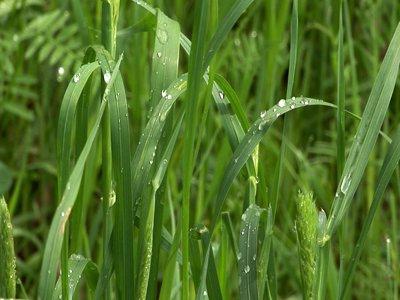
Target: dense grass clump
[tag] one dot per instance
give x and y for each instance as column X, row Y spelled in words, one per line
column 184, row 131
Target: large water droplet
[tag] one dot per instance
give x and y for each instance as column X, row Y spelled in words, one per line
column 76, row 78
column 282, row 103
column 107, row 77
column 345, row 184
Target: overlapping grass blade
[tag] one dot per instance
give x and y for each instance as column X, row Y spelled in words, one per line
column 237, row 9
column 367, row 134
column 191, row 122
column 144, row 269
column 209, row 282
column 388, row 167
column 250, row 141
column 52, row 250
column 247, row 256
column 79, row 267
column 164, row 72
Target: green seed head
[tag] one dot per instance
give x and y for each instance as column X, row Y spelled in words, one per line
column 306, row 227
column 7, row 257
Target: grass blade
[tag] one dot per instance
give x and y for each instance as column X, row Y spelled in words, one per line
column 367, row 133
column 247, row 256
column 56, row 234
column 388, row 167
column 191, row 110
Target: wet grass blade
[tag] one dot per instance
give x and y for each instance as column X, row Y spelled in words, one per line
column 388, row 167
column 250, row 141
column 367, row 134
column 145, row 264
column 191, row 123
column 79, row 267
column 53, row 245
column 247, row 256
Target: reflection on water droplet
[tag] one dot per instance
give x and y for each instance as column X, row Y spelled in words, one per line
column 76, row 78
column 162, row 35
column 107, row 77
column 247, row 269
column 282, row 103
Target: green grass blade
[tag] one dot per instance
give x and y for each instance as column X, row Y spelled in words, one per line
column 52, row 249
column 145, row 264
column 237, row 9
column 7, row 256
column 79, row 267
column 247, row 256
column 388, row 167
column 250, row 141
column 209, row 282
column 191, row 120
column 340, row 117
column 164, row 72
column 367, row 133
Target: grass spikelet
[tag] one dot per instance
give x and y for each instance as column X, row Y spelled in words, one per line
column 7, row 256
column 306, row 228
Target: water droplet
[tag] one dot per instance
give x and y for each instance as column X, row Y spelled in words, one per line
column 162, row 36
column 107, row 77
column 221, row 95
column 254, row 257
column 282, row 103
column 306, row 102
column 263, row 114
column 239, row 256
column 159, row 54
column 164, row 93
column 76, row 78
column 236, row 160
column 278, row 114
column 292, row 106
column 345, row 183
column 247, row 269
column 169, row 97
column 61, row 71
column 253, row 34
column 244, row 217
column 293, row 98
column 62, row 214
column 205, row 293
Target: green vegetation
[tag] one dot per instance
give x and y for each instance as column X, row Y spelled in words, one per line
column 156, row 150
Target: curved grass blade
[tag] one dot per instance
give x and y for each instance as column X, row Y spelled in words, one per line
column 144, row 269
column 121, row 159
column 247, row 256
column 250, row 141
column 388, row 167
column 237, row 9
column 52, row 249
column 78, row 266
column 67, row 119
column 367, row 134
column 7, row 256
